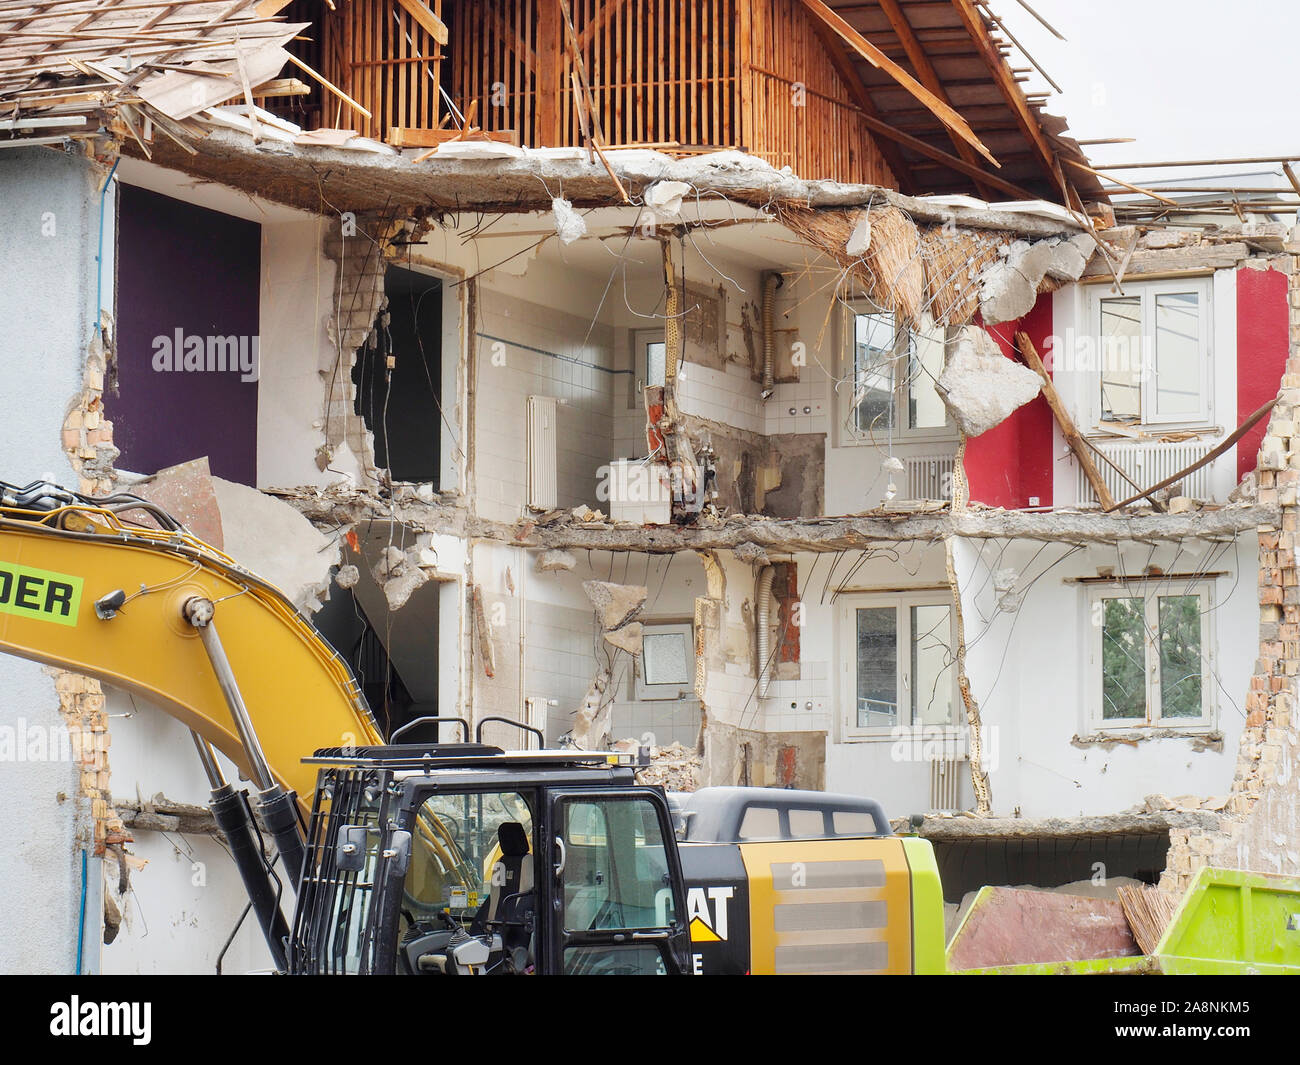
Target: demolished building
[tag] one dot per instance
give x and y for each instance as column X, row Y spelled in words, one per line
column 734, row 404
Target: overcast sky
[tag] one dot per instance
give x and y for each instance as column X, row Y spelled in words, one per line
column 1190, row 79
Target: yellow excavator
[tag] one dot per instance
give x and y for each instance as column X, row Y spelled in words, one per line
column 443, row 858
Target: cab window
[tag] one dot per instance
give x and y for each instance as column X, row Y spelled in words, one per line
column 454, row 847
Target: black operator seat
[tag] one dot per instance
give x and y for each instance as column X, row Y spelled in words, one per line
column 513, row 874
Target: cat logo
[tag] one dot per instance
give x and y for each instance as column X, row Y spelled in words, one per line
column 707, row 910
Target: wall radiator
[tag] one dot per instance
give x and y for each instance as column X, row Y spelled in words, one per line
column 543, row 493
column 946, row 776
column 929, row 477
column 1148, row 463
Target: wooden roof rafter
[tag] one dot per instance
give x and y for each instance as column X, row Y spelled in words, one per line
column 929, row 77
column 873, row 55
column 982, row 36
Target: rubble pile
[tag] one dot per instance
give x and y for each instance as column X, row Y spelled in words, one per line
column 675, row 767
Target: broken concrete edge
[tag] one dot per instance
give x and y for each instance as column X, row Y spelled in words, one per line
column 748, row 532
column 970, row 827
column 296, row 175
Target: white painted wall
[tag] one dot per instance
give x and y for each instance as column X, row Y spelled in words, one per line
column 1028, row 673
column 185, row 902
column 50, row 233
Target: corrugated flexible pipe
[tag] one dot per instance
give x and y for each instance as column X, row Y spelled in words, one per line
column 763, row 633
column 771, row 281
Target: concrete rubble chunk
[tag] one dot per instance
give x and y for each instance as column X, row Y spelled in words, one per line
column 347, row 576
column 628, row 638
column 980, row 386
column 750, row 553
column 616, row 604
column 555, row 562
column 399, row 573
column 1009, row 286
column 273, row 540
column 185, row 491
column 569, row 225
column 664, row 198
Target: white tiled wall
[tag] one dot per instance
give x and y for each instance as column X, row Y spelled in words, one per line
column 559, row 663
column 730, row 397
column 815, row 395
column 786, row 706
column 544, row 355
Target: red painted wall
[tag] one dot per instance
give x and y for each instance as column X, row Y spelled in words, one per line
column 1013, row 461
column 1262, row 340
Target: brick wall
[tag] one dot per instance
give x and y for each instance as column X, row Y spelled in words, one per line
column 1259, row 829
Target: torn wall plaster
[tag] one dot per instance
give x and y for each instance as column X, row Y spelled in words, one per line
column 87, row 433
column 753, row 758
column 980, row 386
column 355, row 245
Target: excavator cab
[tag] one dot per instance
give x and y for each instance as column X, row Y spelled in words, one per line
column 463, row 859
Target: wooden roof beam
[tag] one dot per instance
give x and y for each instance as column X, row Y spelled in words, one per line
column 953, row 162
column 1006, row 82
column 930, row 79
column 878, row 59
column 858, row 93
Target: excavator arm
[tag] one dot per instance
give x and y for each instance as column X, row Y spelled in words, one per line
column 60, row 566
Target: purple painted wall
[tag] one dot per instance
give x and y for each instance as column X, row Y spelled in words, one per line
column 187, row 296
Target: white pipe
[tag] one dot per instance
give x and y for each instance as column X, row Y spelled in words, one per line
column 762, row 615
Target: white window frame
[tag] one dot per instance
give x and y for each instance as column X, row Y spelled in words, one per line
column 1148, row 291
column 641, row 340
column 851, row 435
column 848, row 675
column 644, row 692
column 1151, row 591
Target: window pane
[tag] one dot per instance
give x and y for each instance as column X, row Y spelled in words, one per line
column 1178, row 359
column 631, row 960
column 854, row 823
column 1123, row 659
column 932, row 664
column 655, row 362
column 455, row 836
column 616, row 870
column 761, row 822
column 1121, row 359
column 925, row 410
column 666, row 658
column 807, row 824
column 877, row 664
column 1180, row 656
column 874, row 338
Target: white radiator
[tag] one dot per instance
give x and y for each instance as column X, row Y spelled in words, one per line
column 929, row 477
column 946, row 775
column 543, row 493
column 1148, row 463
